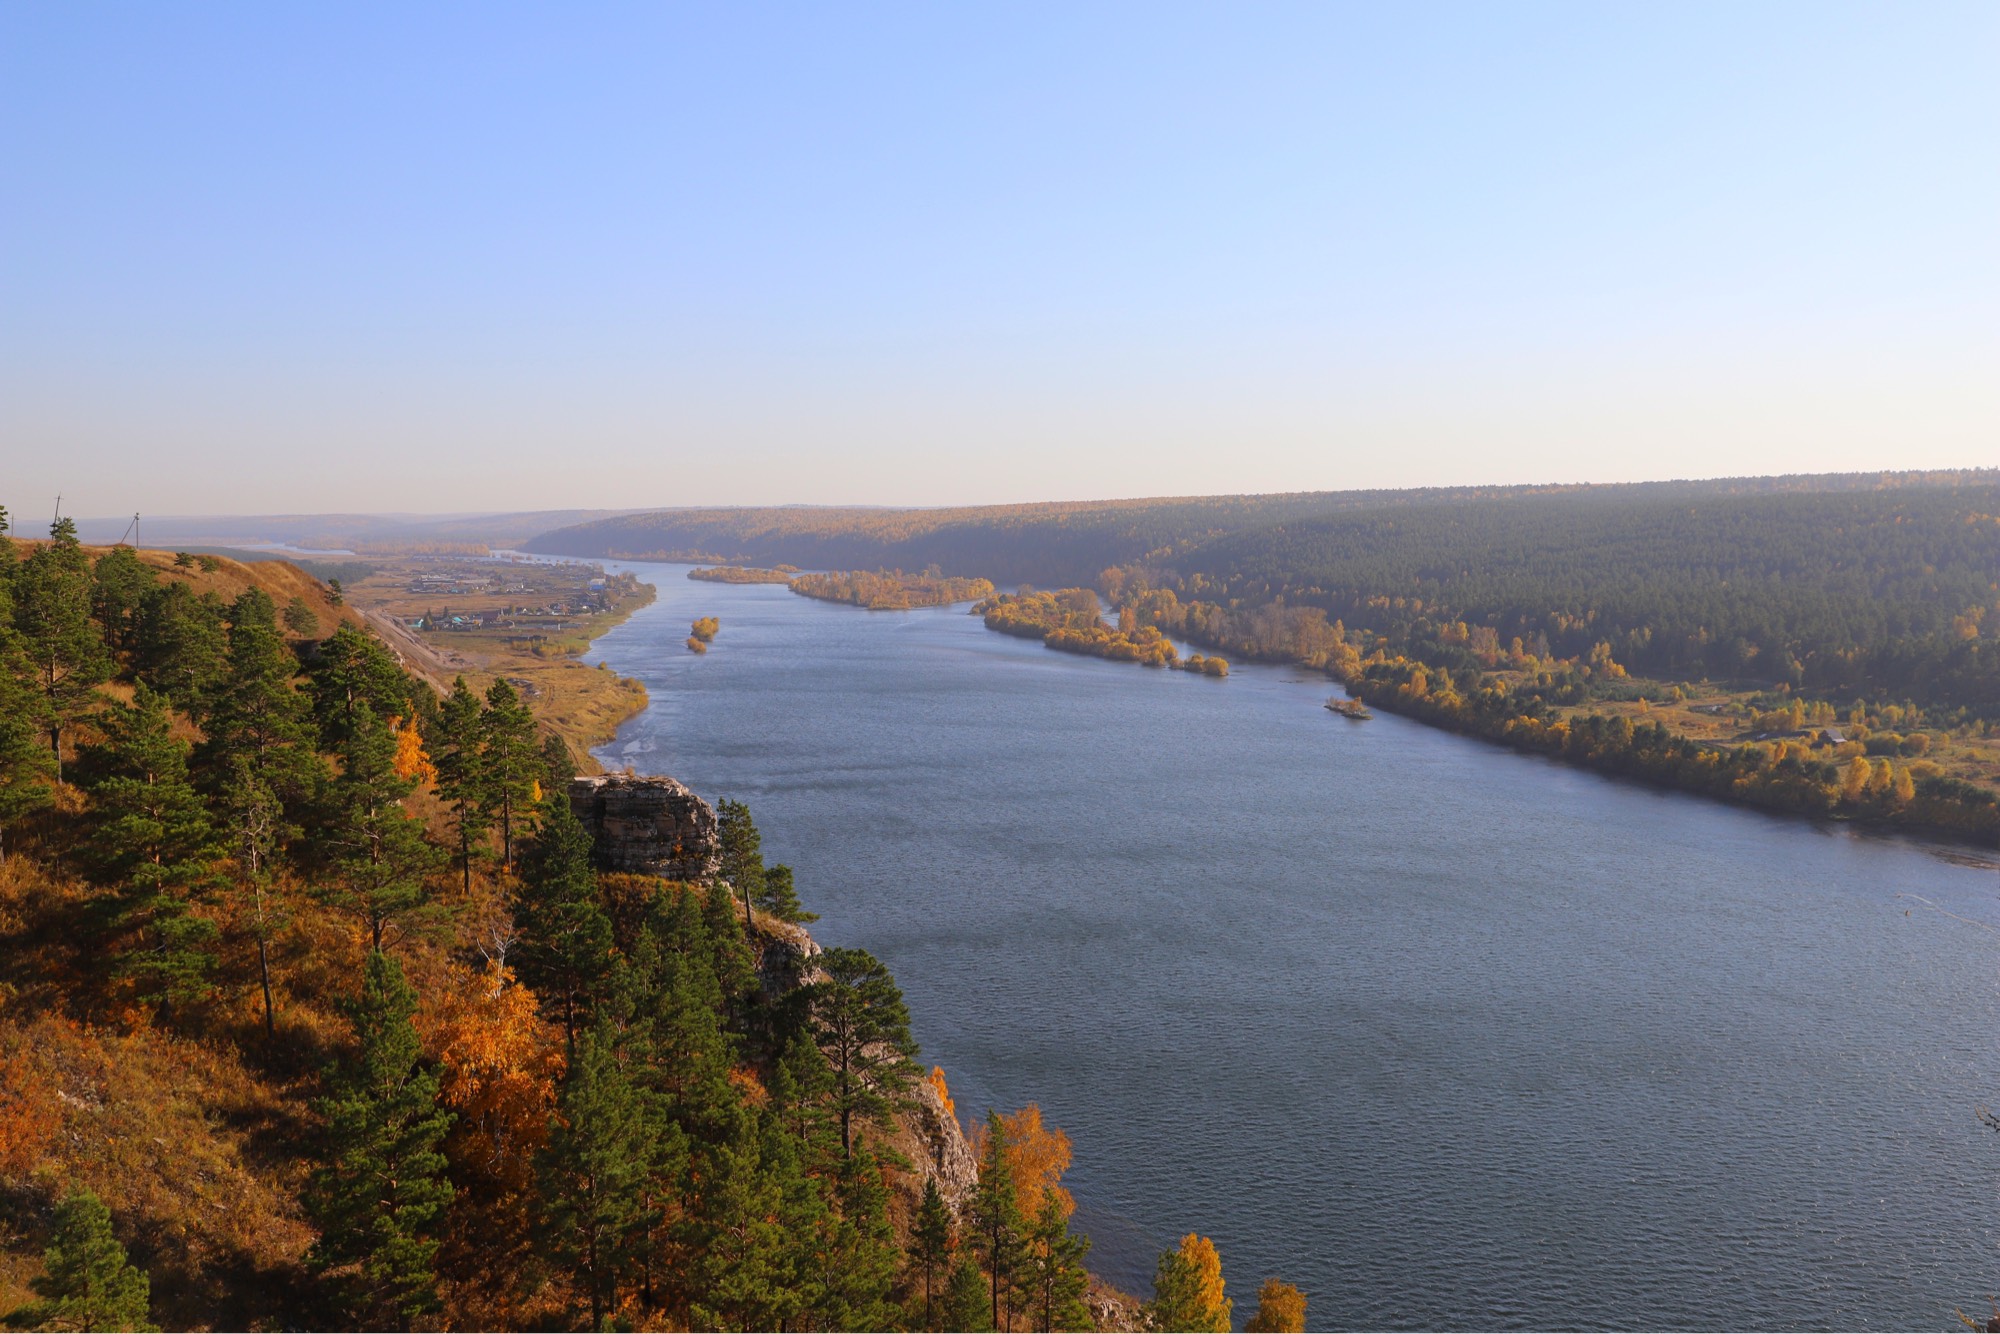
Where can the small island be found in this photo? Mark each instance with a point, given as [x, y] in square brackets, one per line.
[1350, 708]
[743, 574]
[702, 633]
[890, 590]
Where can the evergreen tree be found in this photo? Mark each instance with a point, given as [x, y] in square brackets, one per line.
[780, 899]
[997, 1225]
[120, 585]
[861, 1263]
[734, 971]
[380, 1195]
[299, 619]
[565, 939]
[352, 679]
[154, 839]
[181, 646]
[90, 1284]
[930, 1247]
[801, 1090]
[1053, 1267]
[25, 762]
[459, 753]
[602, 1148]
[256, 830]
[512, 760]
[734, 1234]
[52, 594]
[863, 1026]
[967, 1305]
[740, 862]
[255, 713]
[558, 763]
[381, 856]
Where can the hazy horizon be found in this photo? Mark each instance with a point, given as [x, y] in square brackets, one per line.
[301, 261]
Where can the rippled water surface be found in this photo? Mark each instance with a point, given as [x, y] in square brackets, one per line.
[1446, 1035]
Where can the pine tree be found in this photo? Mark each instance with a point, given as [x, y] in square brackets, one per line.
[257, 831]
[734, 971]
[864, 1027]
[861, 1263]
[565, 938]
[254, 711]
[459, 751]
[996, 1220]
[25, 762]
[381, 855]
[181, 645]
[120, 583]
[734, 1234]
[558, 764]
[155, 841]
[601, 1150]
[52, 594]
[781, 900]
[380, 1195]
[967, 1305]
[90, 1284]
[352, 679]
[930, 1247]
[1053, 1267]
[512, 760]
[740, 862]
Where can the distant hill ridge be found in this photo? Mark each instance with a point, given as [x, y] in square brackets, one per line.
[1072, 541]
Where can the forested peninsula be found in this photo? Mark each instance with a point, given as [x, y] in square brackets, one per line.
[321, 1006]
[1824, 645]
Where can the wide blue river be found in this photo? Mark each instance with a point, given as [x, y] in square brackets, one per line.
[1445, 1035]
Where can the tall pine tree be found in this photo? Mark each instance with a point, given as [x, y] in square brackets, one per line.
[380, 1194]
[565, 947]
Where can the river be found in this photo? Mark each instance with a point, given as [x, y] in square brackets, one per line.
[1446, 1035]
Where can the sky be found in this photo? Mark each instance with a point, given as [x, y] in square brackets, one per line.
[285, 258]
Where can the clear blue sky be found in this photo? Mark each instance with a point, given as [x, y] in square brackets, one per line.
[286, 257]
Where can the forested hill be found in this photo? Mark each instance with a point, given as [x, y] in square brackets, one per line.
[1071, 542]
[1835, 590]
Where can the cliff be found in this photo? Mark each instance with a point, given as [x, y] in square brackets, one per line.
[647, 825]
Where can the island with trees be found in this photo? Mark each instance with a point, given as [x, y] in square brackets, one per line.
[890, 590]
[741, 574]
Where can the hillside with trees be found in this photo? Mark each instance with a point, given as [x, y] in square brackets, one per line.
[316, 1012]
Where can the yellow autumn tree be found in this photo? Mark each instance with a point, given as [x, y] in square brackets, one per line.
[498, 1063]
[412, 764]
[1281, 1309]
[1038, 1154]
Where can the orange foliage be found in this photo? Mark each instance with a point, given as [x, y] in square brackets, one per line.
[936, 1080]
[412, 763]
[29, 1116]
[498, 1062]
[1039, 1155]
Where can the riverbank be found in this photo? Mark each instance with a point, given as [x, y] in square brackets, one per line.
[531, 624]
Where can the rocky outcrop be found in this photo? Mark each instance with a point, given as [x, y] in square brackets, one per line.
[647, 825]
[948, 1157]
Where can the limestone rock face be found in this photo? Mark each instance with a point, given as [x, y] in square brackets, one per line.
[950, 1158]
[647, 825]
